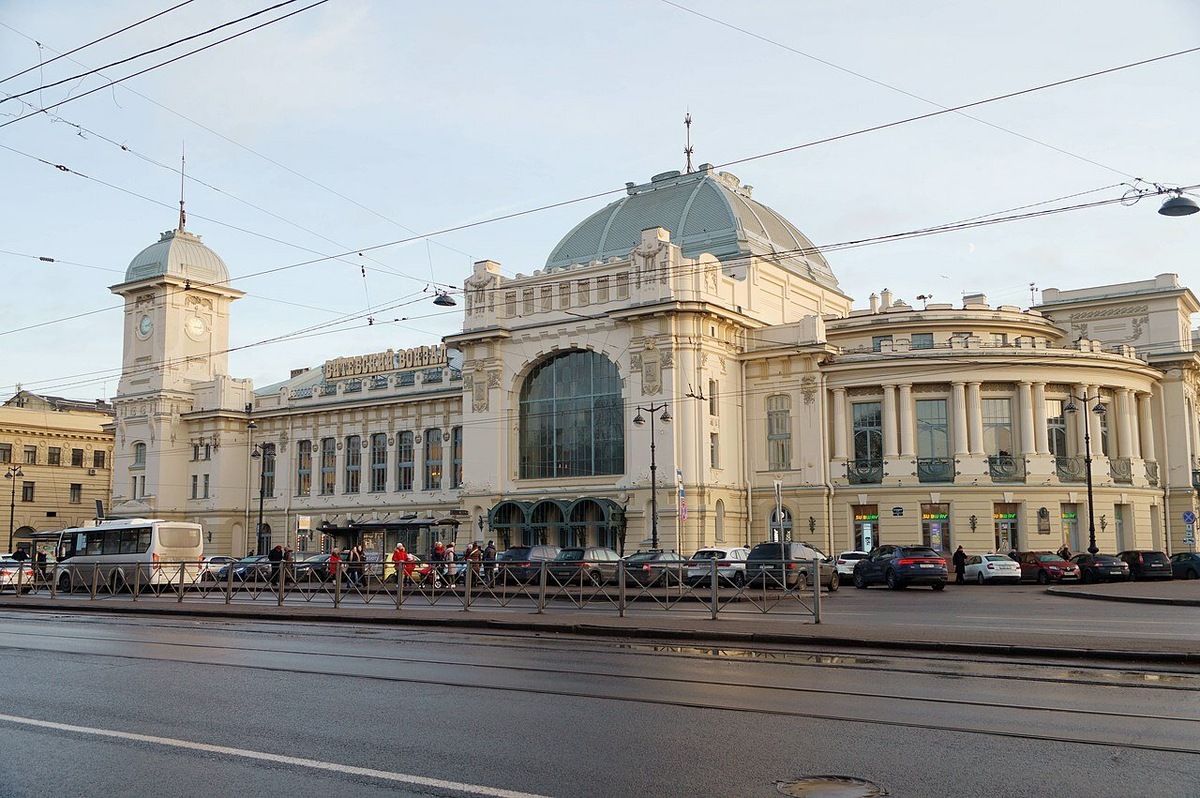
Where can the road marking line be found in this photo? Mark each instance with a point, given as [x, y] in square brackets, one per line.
[316, 764]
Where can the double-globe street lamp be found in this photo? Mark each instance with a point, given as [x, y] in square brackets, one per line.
[639, 420]
[257, 454]
[13, 473]
[1088, 410]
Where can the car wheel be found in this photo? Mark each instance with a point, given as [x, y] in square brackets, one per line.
[859, 581]
[1133, 576]
[979, 578]
[801, 581]
[1192, 574]
[1043, 578]
[938, 585]
[739, 579]
[595, 577]
[835, 581]
[893, 582]
[1088, 577]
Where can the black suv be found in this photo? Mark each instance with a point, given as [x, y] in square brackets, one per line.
[522, 564]
[593, 565]
[775, 564]
[901, 566]
[1144, 564]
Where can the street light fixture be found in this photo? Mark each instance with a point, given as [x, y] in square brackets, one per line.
[1088, 409]
[639, 421]
[12, 473]
[257, 454]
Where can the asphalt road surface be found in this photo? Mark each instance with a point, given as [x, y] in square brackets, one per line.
[101, 705]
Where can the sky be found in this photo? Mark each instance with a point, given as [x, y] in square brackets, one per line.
[327, 152]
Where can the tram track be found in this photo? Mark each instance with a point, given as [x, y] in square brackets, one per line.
[374, 666]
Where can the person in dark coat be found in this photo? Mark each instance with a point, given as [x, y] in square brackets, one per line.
[960, 566]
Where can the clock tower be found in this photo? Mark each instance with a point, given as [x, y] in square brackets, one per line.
[176, 343]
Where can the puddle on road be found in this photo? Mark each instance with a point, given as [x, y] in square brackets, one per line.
[751, 654]
[830, 787]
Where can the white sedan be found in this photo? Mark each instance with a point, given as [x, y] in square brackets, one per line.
[846, 560]
[987, 568]
[731, 566]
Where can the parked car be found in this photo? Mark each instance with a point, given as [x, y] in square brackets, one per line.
[247, 569]
[731, 565]
[846, 561]
[901, 566]
[14, 573]
[1146, 564]
[1185, 565]
[988, 568]
[593, 565]
[775, 564]
[648, 568]
[312, 567]
[1101, 567]
[1045, 567]
[211, 566]
[522, 564]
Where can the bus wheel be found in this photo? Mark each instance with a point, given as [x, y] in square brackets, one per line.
[64, 583]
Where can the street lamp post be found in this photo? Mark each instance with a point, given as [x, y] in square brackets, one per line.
[639, 420]
[12, 473]
[1088, 409]
[257, 454]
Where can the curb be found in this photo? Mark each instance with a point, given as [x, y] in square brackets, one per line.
[1174, 602]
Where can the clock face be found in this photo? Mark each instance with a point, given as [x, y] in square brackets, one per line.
[145, 325]
[195, 327]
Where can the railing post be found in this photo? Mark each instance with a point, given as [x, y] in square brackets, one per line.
[541, 586]
[621, 595]
[399, 584]
[229, 582]
[467, 587]
[712, 585]
[337, 585]
[816, 591]
[95, 576]
[182, 580]
[137, 580]
[283, 569]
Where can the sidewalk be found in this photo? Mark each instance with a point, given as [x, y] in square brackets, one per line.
[684, 627]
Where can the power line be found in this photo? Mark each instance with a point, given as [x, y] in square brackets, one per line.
[93, 41]
[167, 62]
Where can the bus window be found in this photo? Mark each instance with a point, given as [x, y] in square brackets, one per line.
[112, 543]
[172, 537]
[95, 542]
[129, 541]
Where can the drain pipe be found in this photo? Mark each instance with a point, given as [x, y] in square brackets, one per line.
[826, 477]
[745, 462]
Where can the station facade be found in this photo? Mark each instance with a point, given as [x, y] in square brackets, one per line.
[685, 370]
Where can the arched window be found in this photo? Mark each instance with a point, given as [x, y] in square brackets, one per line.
[139, 454]
[571, 419]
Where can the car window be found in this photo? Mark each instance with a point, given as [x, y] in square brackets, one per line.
[1154, 556]
[570, 555]
[1050, 558]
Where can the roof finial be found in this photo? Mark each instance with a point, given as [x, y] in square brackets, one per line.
[182, 166]
[687, 150]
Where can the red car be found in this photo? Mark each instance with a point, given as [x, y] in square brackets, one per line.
[1046, 567]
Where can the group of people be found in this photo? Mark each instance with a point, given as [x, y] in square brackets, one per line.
[445, 560]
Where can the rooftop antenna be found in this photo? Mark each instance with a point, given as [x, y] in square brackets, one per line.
[182, 167]
[1033, 293]
[687, 150]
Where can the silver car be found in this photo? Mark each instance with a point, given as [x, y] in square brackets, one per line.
[731, 565]
[846, 560]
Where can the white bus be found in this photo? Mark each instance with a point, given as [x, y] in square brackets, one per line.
[117, 555]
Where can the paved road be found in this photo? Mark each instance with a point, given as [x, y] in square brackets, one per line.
[179, 706]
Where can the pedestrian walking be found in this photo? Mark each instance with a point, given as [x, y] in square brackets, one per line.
[275, 557]
[960, 566]
[475, 558]
[489, 562]
[354, 572]
[399, 558]
[1065, 552]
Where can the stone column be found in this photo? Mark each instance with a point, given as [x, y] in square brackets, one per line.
[1041, 436]
[907, 422]
[1124, 427]
[1025, 410]
[1146, 426]
[958, 409]
[889, 422]
[974, 419]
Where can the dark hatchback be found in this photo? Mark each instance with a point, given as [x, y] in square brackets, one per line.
[523, 564]
[901, 566]
[1185, 565]
[1145, 564]
[1101, 567]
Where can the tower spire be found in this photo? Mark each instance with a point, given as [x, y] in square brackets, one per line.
[182, 167]
[687, 150]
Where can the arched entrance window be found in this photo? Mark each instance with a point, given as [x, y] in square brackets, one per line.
[571, 419]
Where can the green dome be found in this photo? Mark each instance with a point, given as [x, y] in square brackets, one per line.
[178, 253]
[705, 211]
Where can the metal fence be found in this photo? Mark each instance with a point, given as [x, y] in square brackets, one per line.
[708, 587]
